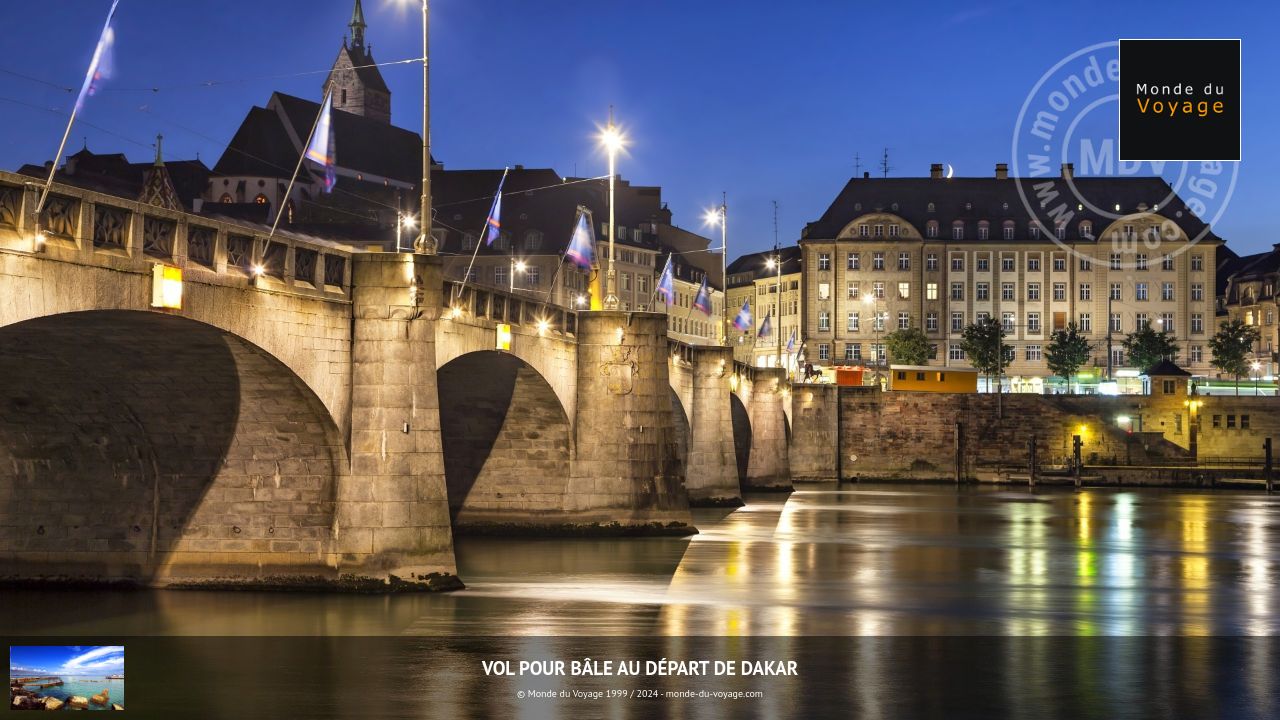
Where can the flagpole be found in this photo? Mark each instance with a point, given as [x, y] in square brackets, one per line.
[467, 275]
[301, 156]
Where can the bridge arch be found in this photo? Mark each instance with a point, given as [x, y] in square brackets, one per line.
[741, 435]
[149, 447]
[507, 440]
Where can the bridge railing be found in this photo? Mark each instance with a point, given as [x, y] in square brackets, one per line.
[487, 303]
[93, 228]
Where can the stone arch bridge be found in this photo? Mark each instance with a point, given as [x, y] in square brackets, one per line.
[318, 415]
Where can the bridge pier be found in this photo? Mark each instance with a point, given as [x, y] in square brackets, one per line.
[711, 473]
[625, 475]
[768, 467]
[391, 524]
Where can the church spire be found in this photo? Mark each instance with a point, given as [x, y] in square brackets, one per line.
[357, 26]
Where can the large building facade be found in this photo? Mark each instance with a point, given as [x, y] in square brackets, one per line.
[1249, 294]
[940, 253]
[769, 291]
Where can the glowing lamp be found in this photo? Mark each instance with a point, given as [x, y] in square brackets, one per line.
[504, 337]
[166, 287]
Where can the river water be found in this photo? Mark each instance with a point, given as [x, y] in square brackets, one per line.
[1042, 595]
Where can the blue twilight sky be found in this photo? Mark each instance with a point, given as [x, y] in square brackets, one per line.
[763, 100]
[66, 660]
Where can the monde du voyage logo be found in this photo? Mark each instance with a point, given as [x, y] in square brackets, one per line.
[1180, 100]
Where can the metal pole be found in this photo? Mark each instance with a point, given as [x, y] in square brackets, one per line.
[1108, 340]
[611, 277]
[778, 331]
[724, 269]
[426, 140]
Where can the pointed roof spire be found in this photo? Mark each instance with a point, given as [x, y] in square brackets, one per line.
[357, 26]
[159, 152]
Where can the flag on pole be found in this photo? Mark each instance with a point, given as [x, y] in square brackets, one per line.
[320, 149]
[493, 225]
[791, 341]
[766, 327]
[582, 247]
[100, 65]
[666, 284]
[743, 321]
[702, 300]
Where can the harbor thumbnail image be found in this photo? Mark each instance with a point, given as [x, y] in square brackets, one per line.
[66, 677]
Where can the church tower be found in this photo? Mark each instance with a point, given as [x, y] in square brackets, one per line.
[357, 84]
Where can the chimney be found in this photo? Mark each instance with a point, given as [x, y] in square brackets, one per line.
[866, 174]
[1002, 171]
[935, 171]
[1068, 170]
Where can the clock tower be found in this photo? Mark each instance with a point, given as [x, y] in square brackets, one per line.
[358, 87]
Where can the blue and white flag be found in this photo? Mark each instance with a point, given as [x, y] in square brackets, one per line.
[791, 341]
[320, 149]
[743, 321]
[666, 284]
[702, 301]
[100, 65]
[582, 248]
[493, 225]
[766, 327]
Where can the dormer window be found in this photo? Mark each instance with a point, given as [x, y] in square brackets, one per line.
[1086, 229]
[984, 230]
[931, 227]
[1007, 230]
[957, 230]
[931, 207]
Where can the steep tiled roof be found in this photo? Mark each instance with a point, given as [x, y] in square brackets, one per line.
[113, 174]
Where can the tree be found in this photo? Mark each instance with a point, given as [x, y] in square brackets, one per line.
[1231, 346]
[1066, 352]
[1147, 347]
[983, 344]
[907, 347]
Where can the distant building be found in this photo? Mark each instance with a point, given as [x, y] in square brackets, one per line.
[358, 87]
[1249, 295]
[940, 253]
[175, 185]
[685, 322]
[752, 281]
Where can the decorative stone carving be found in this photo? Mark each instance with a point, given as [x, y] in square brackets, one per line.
[110, 227]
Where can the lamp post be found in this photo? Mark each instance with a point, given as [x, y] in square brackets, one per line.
[1257, 368]
[426, 137]
[517, 266]
[870, 299]
[406, 222]
[720, 216]
[611, 138]
[775, 263]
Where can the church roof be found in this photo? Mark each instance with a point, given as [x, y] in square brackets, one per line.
[263, 145]
[366, 68]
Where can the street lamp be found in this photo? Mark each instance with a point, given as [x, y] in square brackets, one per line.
[407, 222]
[613, 140]
[720, 216]
[422, 244]
[775, 263]
[517, 266]
[1257, 367]
[870, 299]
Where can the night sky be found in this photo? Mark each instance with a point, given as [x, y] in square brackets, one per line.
[764, 100]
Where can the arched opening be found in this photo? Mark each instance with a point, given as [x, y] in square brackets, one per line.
[680, 428]
[135, 445]
[741, 435]
[506, 441]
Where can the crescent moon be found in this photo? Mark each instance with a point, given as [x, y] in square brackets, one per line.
[950, 171]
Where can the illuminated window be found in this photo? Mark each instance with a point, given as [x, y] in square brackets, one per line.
[261, 199]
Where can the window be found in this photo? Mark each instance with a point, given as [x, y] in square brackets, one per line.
[931, 321]
[904, 260]
[853, 261]
[1140, 291]
[1086, 291]
[957, 263]
[931, 229]
[1059, 264]
[1086, 322]
[984, 264]
[1006, 291]
[957, 291]
[1116, 290]
[893, 230]
[1115, 323]
[824, 320]
[1217, 421]
[877, 261]
[1086, 229]
[824, 291]
[1033, 231]
[983, 318]
[1059, 291]
[1033, 291]
[626, 282]
[853, 351]
[1086, 264]
[1244, 422]
[984, 230]
[1008, 320]
[1033, 353]
[1115, 261]
[1117, 357]
[533, 274]
[904, 291]
[853, 288]
[955, 352]
[1197, 263]
[1007, 231]
[878, 321]
[824, 351]
[1061, 230]
[1231, 421]
[1166, 291]
[984, 291]
[931, 291]
[500, 275]
[642, 284]
[1166, 322]
[1166, 262]
[824, 261]
[1033, 322]
[877, 352]
[1142, 261]
[1006, 264]
[879, 231]
[1141, 320]
[957, 322]
[1197, 292]
[877, 288]
[1197, 354]
[904, 320]
[1033, 264]
[852, 322]
[864, 231]
[261, 199]
[931, 262]
[957, 230]
[1169, 386]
